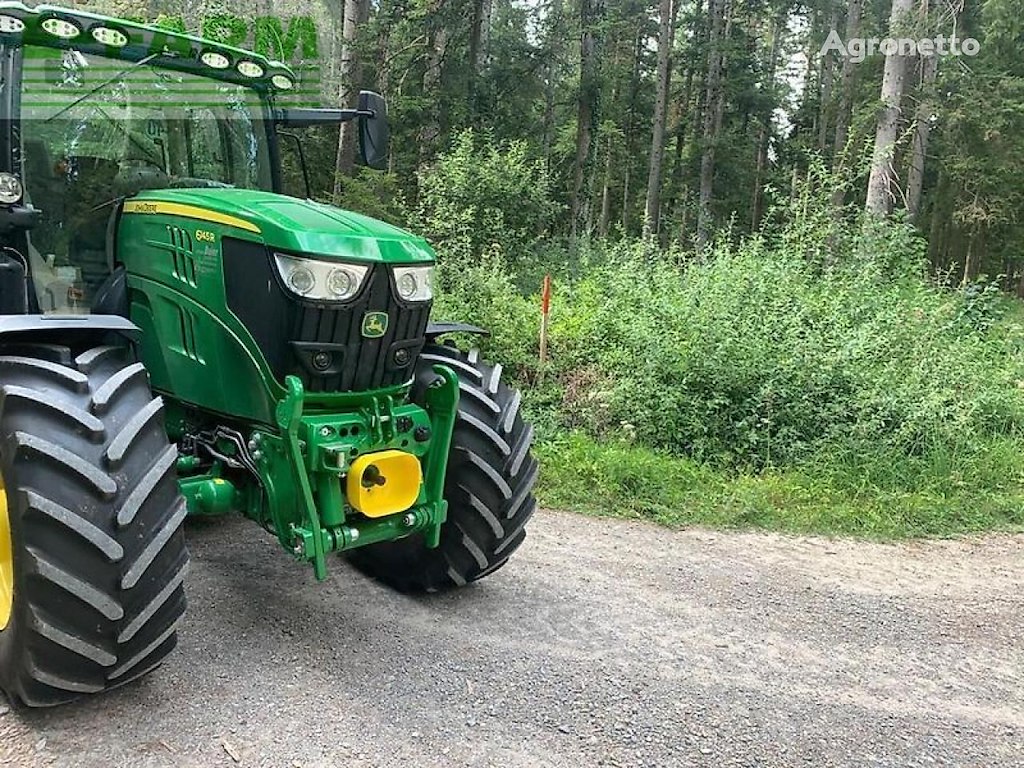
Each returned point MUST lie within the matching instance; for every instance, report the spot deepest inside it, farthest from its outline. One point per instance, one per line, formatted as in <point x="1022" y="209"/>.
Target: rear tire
<point x="95" y="519"/>
<point x="488" y="486"/>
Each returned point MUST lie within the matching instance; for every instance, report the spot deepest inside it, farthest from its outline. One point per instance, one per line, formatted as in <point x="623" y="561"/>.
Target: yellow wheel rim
<point x="6" y="561"/>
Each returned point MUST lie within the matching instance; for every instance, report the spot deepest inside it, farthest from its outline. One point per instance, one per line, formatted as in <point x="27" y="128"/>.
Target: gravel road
<point x="603" y="643"/>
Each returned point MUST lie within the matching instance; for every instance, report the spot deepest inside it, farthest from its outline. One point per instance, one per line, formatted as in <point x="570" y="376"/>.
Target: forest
<point x="684" y="119"/>
<point x="785" y="257"/>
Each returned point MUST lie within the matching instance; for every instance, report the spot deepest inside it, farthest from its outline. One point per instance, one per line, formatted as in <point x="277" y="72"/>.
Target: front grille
<point x="320" y="343"/>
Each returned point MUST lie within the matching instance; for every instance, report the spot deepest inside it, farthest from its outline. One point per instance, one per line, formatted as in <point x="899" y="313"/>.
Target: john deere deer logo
<point x="375" y="324"/>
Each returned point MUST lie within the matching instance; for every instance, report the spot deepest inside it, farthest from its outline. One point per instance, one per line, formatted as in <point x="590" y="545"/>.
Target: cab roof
<point x="57" y="27"/>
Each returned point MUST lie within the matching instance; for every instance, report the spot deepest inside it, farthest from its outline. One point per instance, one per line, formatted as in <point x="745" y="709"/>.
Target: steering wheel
<point x="130" y="181"/>
<point x="143" y="161"/>
<point x="179" y="182"/>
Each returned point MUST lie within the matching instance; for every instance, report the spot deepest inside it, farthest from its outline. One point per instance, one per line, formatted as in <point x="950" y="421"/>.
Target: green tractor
<point x="180" y="338"/>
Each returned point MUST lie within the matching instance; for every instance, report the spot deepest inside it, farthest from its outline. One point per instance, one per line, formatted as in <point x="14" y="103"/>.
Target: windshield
<point x="97" y="130"/>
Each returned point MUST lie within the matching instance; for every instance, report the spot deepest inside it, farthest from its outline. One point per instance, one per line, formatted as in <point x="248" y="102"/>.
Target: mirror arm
<point x="296" y="117"/>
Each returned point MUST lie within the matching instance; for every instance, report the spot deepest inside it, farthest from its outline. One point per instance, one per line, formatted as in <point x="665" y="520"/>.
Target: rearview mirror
<point x="374" y="133"/>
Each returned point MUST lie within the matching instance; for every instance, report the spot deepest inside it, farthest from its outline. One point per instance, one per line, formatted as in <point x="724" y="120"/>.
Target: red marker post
<point x="545" y="311"/>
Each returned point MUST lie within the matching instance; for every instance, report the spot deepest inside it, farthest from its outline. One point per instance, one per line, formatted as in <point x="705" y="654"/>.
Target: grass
<point x="827" y="496"/>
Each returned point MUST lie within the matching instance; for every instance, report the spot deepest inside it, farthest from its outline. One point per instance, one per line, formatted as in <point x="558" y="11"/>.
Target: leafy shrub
<point x="759" y="358"/>
<point x="482" y="293"/>
<point x="481" y="198"/>
<point x="755" y="358"/>
<point x="375" y="194"/>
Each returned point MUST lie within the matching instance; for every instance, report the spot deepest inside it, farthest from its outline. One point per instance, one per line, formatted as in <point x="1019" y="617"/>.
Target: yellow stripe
<point x="190" y="211"/>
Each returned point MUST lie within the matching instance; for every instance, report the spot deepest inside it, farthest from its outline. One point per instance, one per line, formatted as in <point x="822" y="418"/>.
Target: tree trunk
<point x="430" y="131"/>
<point x="689" y="129"/>
<point x="845" y="108"/>
<point x="351" y="74"/>
<point x="714" y="102"/>
<point x="971" y="260"/>
<point x="665" y="33"/>
<point x="941" y="218"/>
<point x="606" y="192"/>
<point x="586" y="118"/>
<point x="922" y="127"/>
<point x="761" y="162"/>
<point x="676" y="178"/>
<point x="554" y="49"/>
<point x="826" y="80"/>
<point x="479" y="35"/>
<point x="880" y="185"/>
<point x="629" y="123"/>
<point x="608" y="177"/>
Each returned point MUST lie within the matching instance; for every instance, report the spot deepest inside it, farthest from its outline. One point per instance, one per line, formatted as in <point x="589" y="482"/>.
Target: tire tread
<point x="489" y="486"/>
<point x="96" y="515"/>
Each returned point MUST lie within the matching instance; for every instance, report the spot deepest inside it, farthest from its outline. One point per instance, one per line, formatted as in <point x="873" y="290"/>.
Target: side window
<point x="147" y="142"/>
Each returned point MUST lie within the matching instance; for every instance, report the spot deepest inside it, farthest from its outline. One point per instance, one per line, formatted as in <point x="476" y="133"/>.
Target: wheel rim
<point x="6" y="561"/>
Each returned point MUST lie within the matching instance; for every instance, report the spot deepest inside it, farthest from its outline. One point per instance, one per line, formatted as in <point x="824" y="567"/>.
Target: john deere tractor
<point x="180" y="338"/>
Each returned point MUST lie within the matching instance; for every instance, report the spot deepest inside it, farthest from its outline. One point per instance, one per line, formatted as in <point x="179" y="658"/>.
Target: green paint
<point x="306" y="441"/>
<point x="225" y="28"/>
<point x="169" y="23"/>
<point x="271" y="40"/>
<point x="313" y="453"/>
<point x="442" y="404"/>
<point x="208" y="495"/>
<point x="168" y="35"/>
<point x="301" y="226"/>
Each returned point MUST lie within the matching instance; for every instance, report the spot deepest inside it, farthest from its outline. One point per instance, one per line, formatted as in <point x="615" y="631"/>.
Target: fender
<point x="62" y="328"/>
<point x="436" y="330"/>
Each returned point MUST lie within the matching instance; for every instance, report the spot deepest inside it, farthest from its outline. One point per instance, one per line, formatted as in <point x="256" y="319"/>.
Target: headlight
<point x="10" y="188"/>
<point x="415" y="283"/>
<point x="320" y="280"/>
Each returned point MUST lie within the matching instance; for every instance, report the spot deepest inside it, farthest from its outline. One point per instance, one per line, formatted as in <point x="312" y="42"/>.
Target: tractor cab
<point x="96" y="132"/>
<point x="100" y="111"/>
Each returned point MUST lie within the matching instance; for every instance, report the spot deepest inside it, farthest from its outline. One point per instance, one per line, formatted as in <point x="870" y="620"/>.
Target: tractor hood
<point x="288" y="223"/>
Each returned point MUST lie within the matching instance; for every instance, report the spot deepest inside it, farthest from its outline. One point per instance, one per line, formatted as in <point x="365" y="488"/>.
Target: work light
<point x="109" y="36"/>
<point x="248" y="68"/>
<point x="62" y="28"/>
<point x="282" y="82"/>
<point x="11" y="25"/>
<point x="215" y="60"/>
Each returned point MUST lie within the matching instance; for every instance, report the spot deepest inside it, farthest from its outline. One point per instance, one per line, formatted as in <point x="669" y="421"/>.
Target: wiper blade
<point x="133" y="66"/>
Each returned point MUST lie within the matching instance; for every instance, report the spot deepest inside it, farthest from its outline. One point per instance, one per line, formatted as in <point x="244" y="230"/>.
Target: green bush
<point x="755" y="358"/>
<point x="481" y="198"/>
<point x="815" y="361"/>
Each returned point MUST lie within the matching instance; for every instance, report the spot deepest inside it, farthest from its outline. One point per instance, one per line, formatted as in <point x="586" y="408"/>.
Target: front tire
<point x="488" y="486"/>
<point x="97" y="556"/>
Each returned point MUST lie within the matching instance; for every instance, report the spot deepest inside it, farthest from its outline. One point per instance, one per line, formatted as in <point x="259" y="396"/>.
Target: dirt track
<point x="602" y="643"/>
